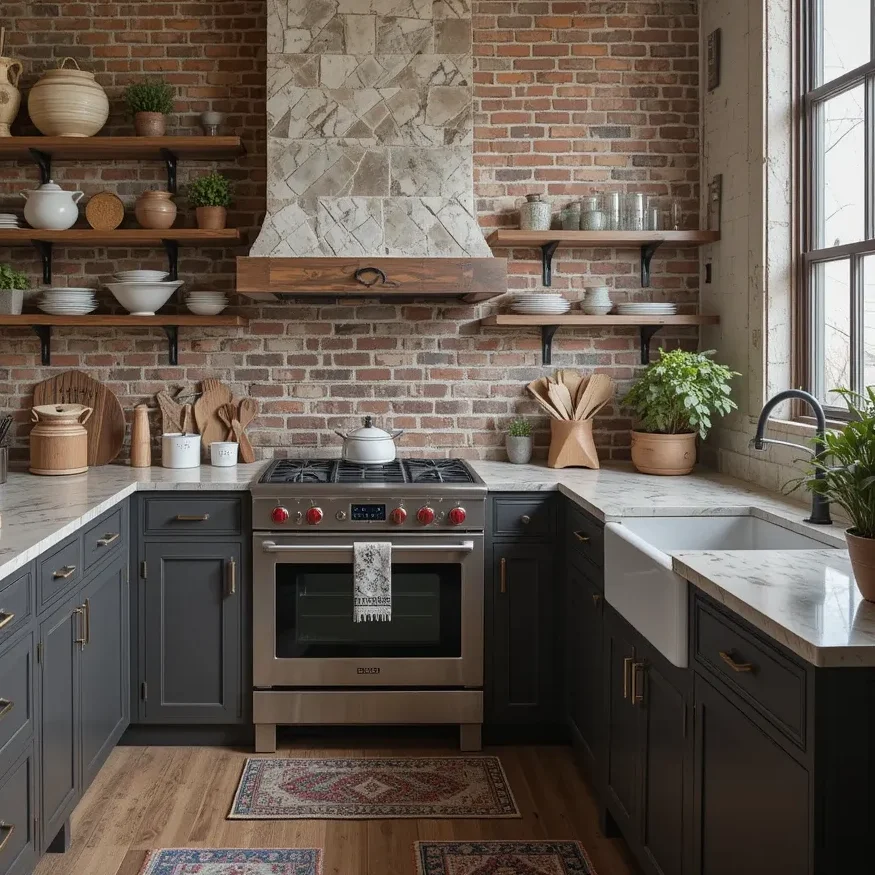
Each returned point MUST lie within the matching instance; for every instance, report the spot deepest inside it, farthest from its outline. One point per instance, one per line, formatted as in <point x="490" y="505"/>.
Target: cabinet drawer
<point x="104" y="538"/>
<point x="759" y="673"/>
<point x="59" y="571"/>
<point x="585" y="537"/>
<point x="186" y="516"/>
<point x="16" y="602"/>
<point x="16" y="700"/>
<point x="523" y="517"/>
<point x="17" y="810"/>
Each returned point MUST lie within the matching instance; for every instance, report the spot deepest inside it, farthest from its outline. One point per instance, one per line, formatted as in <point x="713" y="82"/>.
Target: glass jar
<point x="635" y="212"/>
<point x="613" y="212"/>
<point x="571" y="217"/>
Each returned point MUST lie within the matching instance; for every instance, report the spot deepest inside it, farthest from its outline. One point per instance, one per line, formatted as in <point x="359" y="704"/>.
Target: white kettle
<point x="50" y="208"/>
<point x="369" y="445"/>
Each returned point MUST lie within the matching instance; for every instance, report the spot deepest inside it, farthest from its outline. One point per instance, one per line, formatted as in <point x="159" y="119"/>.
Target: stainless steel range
<point x="312" y="664"/>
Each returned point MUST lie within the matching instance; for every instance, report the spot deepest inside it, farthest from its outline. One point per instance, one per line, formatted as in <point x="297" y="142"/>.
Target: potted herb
<point x="673" y="401"/>
<point x="518" y="442"/>
<point x="210" y="195"/>
<point x="13" y="285"/>
<point x="846" y="462"/>
<point x="149" y="103"/>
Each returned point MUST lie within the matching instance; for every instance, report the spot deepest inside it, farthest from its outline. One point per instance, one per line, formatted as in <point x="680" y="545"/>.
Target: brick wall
<point x="570" y="97"/>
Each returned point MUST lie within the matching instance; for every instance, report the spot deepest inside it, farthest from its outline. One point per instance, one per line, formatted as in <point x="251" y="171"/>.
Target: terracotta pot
<point x="211" y="218"/>
<point x="68" y="103"/>
<point x="150" y="124"/>
<point x="10" y="96"/>
<point x="155" y="209"/>
<point x="862" y="551"/>
<point x="667" y="454"/>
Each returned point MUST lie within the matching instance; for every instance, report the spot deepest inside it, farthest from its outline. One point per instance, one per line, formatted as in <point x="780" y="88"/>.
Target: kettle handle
<point x="339" y="433"/>
<point x="396" y="433"/>
<point x="85" y="415"/>
<point x="63" y="63"/>
<point x="34" y="416"/>
<point x="18" y="67"/>
<point x="77" y="196"/>
<point x="24" y="194"/>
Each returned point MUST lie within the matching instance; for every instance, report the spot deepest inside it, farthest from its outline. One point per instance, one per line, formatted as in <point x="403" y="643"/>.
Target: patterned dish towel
<point x="372" y="581"/>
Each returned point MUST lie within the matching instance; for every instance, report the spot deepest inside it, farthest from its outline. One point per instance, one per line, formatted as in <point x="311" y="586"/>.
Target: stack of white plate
<point x="540" y="304"/>
<point x="141" y="276"/>
<point x="67" y="301"/>
<point x="206" y="303"/>
<point x="9" y="220"/>
<point x="643" y="309"/>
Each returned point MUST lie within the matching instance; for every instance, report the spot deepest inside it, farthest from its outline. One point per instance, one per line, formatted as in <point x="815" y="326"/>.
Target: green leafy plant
<point x="680" y="392"/>
<point x="212" y="190"/>
<point x="12" y="279"/>
<point x="149" y="96"/>
<point x="520" y="428"/>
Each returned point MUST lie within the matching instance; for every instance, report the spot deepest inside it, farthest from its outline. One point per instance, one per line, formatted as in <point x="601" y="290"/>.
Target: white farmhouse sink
<point x="641" y="586"/>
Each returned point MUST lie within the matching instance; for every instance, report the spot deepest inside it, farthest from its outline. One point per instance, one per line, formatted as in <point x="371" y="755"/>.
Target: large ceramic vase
<point x="10" y="96"/>
<point x="665" y="454"/>
<point x="155" y="209"/>
<point x="862" y="552"/>
<point x="68" y="103"/>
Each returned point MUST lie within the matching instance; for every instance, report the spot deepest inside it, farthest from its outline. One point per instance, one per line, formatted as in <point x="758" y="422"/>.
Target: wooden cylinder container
<point x="59" y="441"/>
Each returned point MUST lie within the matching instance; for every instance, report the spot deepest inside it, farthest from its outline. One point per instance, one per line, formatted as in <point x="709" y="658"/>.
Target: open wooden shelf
<point x="549" y="325"/>
<point x="42" y="324"/>
<point x="549" y="241"/>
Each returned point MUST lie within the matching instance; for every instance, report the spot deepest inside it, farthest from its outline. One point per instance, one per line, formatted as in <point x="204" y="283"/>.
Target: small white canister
<point x="223" y="454"/>
<point x="180" y="450"/>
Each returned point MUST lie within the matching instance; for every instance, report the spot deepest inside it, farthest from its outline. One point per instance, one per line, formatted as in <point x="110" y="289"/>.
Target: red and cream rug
<point x="373" y="788"/>
<point x="502" y="858"/>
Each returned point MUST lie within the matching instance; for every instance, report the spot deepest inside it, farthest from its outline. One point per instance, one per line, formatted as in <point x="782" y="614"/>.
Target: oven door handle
<point x="273" y="547"/>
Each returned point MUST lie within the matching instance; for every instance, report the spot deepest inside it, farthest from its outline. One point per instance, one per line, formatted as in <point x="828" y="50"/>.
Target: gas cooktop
<point x="312" y="472"/>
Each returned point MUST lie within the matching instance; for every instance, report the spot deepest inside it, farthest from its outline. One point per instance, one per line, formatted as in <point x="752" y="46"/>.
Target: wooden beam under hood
<point x="471" y="279"/>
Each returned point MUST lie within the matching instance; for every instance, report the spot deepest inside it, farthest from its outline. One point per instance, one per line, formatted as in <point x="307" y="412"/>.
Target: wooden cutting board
<point x="106" y="427"/>
<point x="214" y="393"/>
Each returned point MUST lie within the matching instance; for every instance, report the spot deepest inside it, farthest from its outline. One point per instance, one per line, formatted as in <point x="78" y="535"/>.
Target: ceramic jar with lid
<point x="59" y="440"/>
<point x="535" y="214"/>
<point x="155" y="209"/>
<point x="50" y="208"/>
<point x="10" y="96"/>
<point x="68" y="103"/>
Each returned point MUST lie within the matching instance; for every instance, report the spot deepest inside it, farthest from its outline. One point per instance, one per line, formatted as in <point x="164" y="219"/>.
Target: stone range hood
<point x="370" y="184"/>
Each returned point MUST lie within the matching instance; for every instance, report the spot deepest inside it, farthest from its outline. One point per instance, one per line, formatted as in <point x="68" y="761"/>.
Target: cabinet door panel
<point x="17" y="810"/>
<point x="192" y="633"/>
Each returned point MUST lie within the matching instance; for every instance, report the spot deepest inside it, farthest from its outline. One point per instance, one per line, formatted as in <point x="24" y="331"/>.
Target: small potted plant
<point x="13" y="285"/>
<point x="518" y="442"/>
<point x="149" y="103"/>
<point x="673" y="401"/>
<point x="211" y="196"/>
<point x="846" y="462"/>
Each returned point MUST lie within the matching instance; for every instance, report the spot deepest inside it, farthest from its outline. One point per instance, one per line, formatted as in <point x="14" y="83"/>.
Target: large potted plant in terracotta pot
<point x="149" y="103"/>
<point x="846" y="462"/>
<point x="210" y="195"/>
<point x="673" y="401"/>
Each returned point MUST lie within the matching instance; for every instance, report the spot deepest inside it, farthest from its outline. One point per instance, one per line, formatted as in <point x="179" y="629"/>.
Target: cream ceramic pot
<point x="50" y="208"/>
<point x="369" y="445"/>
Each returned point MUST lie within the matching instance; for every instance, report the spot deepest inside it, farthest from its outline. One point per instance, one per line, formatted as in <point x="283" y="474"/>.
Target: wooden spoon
<point x="228" y="413"/>
<point x="539" y="389"/>
<point x="558" y="399"/>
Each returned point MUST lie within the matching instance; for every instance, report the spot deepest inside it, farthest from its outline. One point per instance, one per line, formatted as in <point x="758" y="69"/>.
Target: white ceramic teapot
<point x="50" y="208"/>
<point x="369" y="445"/>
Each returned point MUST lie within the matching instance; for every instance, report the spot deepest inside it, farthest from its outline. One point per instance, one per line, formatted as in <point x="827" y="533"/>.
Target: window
<point x="837" y="276"/>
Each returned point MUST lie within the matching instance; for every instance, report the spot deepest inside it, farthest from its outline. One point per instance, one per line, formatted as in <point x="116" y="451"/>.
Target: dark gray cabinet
<point x="192" y="631"/>
<point x="18" y="807"/>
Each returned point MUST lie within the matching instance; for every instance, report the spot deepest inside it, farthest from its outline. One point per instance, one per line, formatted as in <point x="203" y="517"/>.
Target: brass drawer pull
<point x="525" y="519"/>
<point x="584" y="539"/>
<point x="735" y="666"/>
<point x="192" y="517"/>
<point x="80" y="626"/>
<point x="108" y="539"/>
<point x="232" y="576"/>
<point x="64" y="573"/>
<point x="637" y="695"/>
<point x="503" y="574"/>
<point x="9" y="828"/>
<point x="627" y="664"/>
<point x="7" y="618"/>
<point x="5" y="707"/>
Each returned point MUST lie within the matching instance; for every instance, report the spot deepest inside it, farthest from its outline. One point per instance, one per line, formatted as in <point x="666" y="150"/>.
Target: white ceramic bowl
<point x="205" y="309"/>
<point x="144" y="276"/>
<point x="143" y="299"/>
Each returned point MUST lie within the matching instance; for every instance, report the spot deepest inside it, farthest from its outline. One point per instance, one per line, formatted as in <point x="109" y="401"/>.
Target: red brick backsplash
<point x="570" y="98"/>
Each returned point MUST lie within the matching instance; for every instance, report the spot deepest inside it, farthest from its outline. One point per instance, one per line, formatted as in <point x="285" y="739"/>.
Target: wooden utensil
<point x="141" y="442"/>
<point x="572" y="380"/>
<point x="248" y="412"/>
<point x="106" y="427"/>
<point x="228" y="413"/>
<point x="558" y="400"/>
<point x="171" y="413"/>
<point x="188" y="425"/>
<point x="600" y="390"/>
<point x="214" y="393"/>
<point x="539" y="390"/>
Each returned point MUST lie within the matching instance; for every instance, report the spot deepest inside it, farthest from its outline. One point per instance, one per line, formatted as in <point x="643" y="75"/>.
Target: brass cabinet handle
<point x="627" y="664"/>
<point x="735" y="666"/>
<point x="503" y="574"/>
<point x="64" y="573"/>
<point x="9" y="829"/>
<point x="108" y="539"/>
<point x="192" y="517"/>
<point x="637" y="695"/>
<point x="596" y="598"/>
<point x="232" y="576"/>
<point x="87" y="621"/>
<point x="525" y="519"/>
<point x="5" y="707"/>
<point x="584" y="539"/>
<point x="80" y="631"/>
<point x="8" y="617"/>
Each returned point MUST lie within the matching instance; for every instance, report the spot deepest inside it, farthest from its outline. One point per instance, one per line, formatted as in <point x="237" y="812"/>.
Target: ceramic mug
<point x="180" y="450"/>
<point x="223" y="454"/>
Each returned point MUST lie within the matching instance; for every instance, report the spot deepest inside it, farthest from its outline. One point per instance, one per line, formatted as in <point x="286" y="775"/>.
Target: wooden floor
<point x="171" y="797"/>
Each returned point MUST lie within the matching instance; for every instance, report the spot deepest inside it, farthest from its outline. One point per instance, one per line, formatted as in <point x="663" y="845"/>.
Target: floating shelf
<point x="42" y="325"/>
<point x="171" y="239"/>
<point x="549" y="241"/>
<point x="549" y="325"/>
<point x="44" y="150"/>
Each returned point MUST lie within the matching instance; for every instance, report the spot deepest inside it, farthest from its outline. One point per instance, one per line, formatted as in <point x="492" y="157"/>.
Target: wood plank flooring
<point x="166" y="797"/>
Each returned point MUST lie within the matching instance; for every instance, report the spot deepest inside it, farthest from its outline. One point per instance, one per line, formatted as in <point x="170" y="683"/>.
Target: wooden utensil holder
<point x="571" y="444"/>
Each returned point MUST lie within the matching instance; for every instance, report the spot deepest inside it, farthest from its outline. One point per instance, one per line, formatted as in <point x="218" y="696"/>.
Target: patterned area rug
<point x="233" y="861"/>
<point x="502" y="858"/>
<point x="373" y="788"/>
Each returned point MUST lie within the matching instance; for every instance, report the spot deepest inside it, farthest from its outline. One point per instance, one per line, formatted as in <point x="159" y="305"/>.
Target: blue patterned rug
<point x="233" y="861"/>
<point x="502" y="858"/>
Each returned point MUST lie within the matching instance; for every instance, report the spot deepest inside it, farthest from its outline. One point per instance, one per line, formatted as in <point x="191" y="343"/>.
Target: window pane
<point x="841" y="186"/>
<point x="832" y="321"/>
<point x="845" y="36"/>
<point x="869" y="320"/>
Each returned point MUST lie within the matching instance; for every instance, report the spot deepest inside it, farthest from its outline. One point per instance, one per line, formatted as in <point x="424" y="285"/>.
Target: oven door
<point x="304" y="634"/>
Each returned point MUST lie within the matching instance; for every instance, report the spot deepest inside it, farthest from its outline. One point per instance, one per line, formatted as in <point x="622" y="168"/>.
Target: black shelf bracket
<point x="172" y="332"/>
<point x="547" y="332"/>
<point x="170" y="160"/>
<point x="547" y="252"/>
<point x="647" y="332"/>
<point x="647" y="252"/>
<point x="45" y="253"/>
<point x="171" y="247"/>
<point x="44" y="332"/>
<point x="44" y="161"/>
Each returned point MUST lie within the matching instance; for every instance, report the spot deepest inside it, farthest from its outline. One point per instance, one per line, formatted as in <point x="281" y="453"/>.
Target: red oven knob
<point x="398" y="516"/>
<point x="457" y="516"/>
<point x="279" y="515"/>
<point x="425" y="515"/>
<point x="314" y="516"/>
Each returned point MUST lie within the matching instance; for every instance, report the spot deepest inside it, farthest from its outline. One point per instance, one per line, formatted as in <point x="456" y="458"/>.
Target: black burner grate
<point x="310" y="471"/>
<point x="299" y="471"/>
<point x="437" y="471"/>
<point x="350" y="472"/>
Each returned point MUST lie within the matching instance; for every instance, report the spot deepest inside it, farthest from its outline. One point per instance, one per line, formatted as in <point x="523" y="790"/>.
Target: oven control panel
<point x="370" y="513"/>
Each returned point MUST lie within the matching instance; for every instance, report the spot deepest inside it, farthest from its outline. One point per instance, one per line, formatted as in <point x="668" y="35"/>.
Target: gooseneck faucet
<point x="820" y="515"/>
